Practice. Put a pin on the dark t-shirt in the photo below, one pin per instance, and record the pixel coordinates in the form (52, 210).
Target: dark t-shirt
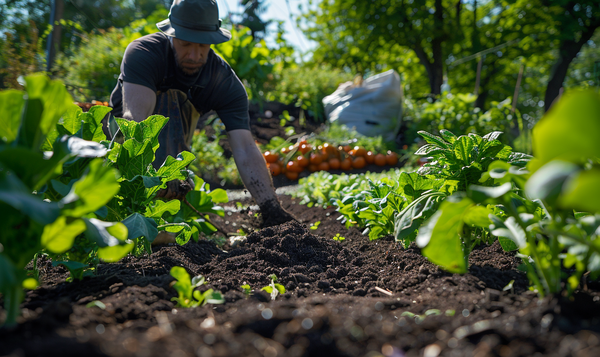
(150, 61)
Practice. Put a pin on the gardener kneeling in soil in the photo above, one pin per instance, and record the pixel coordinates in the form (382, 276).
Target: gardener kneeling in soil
(176, 74)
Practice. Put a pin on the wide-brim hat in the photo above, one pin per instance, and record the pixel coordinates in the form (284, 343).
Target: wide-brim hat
(195, 21)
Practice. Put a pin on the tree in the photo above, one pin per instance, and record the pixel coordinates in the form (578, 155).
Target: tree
(251, 17)
(579, 20)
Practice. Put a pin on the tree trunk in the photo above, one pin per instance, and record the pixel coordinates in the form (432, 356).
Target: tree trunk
(567, 52)
(54, 38)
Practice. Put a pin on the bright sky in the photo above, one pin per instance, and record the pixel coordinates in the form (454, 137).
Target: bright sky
(276, 10)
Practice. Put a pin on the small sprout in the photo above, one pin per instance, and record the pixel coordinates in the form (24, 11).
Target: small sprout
(96, 303)
(510, 287)
(433, 312)
(273, 288)
(315, 225)
(247, 290)
(338, 237)
(408, 314)
(450, 312)
(239, 205)
(188, 296)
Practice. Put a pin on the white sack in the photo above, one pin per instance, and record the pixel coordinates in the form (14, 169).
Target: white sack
(373, 108)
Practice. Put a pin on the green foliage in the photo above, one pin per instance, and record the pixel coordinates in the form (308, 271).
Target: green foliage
(337, 134)
(186, 289)
(465, 158)
(306, 86)
(273, 288)
(544, 214)
(32, 219)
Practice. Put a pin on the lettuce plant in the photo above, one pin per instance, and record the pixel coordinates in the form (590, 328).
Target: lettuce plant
(188, 296)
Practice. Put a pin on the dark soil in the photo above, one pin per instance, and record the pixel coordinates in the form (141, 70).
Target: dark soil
(348, 298)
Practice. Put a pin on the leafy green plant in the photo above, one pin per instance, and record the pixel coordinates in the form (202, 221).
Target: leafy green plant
(465, 158)
(31, 219)
(273, 288)
(338, 237)
(315, 226)
(186, 289)
(550, 215)
(247, 290)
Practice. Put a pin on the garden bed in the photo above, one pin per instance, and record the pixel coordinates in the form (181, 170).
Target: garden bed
(335, 304)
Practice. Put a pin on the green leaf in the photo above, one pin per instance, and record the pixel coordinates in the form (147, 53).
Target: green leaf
(570, 129)
(510, 229)
(14, 193)
(478, 216)
(462, 149)
(11, 107)
(440, 240)
(433, 139)
(140, 226)
(183, 286)
(171, 168)
(70, 120)
(157, 209)
(494, 135)
(30, 135)
(56, 100)
(480, 194)
(219, 196)
(59, 236)
(106, 234)
(547, 182)
(582, 191)
(93, 190)
(115, 253)
(448, 136)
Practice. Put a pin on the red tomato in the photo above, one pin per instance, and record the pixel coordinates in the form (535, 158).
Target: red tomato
(334, 163)
(391, 158)
(270, 157)
(380, 160)
(293, 166)
(346, 164)
(324, 166)
(291, 175)
(315, 158)
(359, 162)
(274, 168)
(302, 161)
(359, 151)
(370, 157)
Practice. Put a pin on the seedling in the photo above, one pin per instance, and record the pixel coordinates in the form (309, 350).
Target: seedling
(247, 290)
(338, 237)
(273, 288)
(188, 296)
(314, 226)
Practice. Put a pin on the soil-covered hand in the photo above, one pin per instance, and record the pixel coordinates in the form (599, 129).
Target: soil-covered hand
(273, 214)
(176, 190)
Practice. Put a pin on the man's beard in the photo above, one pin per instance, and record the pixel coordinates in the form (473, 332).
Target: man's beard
(189, 71)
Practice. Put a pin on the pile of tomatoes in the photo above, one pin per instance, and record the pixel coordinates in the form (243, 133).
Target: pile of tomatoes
(325, 157)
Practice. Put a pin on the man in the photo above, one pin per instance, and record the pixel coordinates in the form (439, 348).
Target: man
(176, 74)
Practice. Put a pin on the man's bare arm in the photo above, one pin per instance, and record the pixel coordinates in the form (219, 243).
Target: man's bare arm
(252, 166)
(138, 102)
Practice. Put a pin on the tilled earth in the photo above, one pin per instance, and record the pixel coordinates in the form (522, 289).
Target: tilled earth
(348, 298)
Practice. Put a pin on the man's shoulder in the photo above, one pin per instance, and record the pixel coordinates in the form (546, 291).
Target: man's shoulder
(153, 43)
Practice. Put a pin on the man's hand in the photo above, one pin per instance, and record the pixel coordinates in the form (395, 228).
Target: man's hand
(176, 190)
(273, 214)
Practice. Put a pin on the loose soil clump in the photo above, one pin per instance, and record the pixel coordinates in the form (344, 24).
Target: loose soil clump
(348, 298)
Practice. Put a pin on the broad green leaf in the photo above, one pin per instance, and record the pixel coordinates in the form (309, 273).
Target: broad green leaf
(140, 226)
(59, 236)
(463, 148)
(30, 135)
(84, 148)
(11, 107)
(507, 244)
(478, 216)
(106, 234)
(70, 120)
(134, 158)
(480, 194)
(157, 209)
(14, 193)
(92, 123)
(56, 100)
(448, 136)
(492, 136)
(510, 229)
(183, 284)
(219, 196)
(433, 139)
(94, 190)
(570, 129)
(429, 150)
(582, 191)
(171, 168)
(547, 182)
(440, 240)
(115, 253)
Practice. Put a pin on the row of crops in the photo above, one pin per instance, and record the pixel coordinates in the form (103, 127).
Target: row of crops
(68, 192)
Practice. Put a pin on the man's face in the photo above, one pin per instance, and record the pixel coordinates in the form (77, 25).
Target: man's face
(190, 56)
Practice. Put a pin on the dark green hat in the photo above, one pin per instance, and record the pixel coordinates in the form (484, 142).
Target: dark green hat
(195, 21)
